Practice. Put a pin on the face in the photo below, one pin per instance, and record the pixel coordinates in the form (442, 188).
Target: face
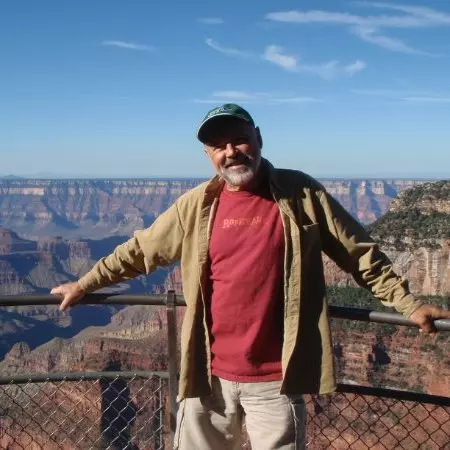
(234, 148)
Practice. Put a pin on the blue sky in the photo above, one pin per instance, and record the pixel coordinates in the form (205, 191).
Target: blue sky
(116, 88)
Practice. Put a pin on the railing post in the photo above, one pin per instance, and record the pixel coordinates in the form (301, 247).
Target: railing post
(172, 366)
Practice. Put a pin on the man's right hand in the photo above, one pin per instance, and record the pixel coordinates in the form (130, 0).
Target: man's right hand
(69, 293)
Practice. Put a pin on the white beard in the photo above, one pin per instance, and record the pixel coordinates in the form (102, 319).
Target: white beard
(238, 177)
(242, 175)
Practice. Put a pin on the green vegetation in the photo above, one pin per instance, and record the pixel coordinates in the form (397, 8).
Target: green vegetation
(355, 297)
(414, 222)
(352, 297)
(361, 298)
(421, 229)
(439, 190)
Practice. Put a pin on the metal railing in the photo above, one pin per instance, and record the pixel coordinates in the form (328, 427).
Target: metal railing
(136, 410)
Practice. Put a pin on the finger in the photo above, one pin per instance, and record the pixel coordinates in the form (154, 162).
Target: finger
(428, 327)
(65, 303)
(55, 291)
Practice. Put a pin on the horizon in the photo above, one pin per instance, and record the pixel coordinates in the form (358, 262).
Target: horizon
(348, 88)
(55, 177)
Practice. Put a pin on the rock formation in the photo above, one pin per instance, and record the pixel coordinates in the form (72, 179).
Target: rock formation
(41, 340)
(99, 208)
(415, 234)
(85, 208)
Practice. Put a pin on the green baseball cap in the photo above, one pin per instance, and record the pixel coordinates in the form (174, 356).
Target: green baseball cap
(226, 110)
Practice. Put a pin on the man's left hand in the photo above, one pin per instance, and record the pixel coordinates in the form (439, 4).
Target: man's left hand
(425, 315)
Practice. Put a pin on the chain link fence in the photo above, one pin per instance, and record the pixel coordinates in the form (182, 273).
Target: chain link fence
(361, 422)
(352, 421)
(135, 410)
(121, 410)
(92, 411)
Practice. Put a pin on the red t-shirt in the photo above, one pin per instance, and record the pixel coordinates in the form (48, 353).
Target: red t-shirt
(246, 281)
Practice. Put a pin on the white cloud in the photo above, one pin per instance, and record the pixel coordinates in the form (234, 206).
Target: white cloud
(428, 16)
(226, 50)
(405, 96)
(328, 70)
(235, 95)
(276, 55)
(394, 45)
(210, 20)
(381, 92)
(423, 100)
(356, 67)
(327, 17)
(368, 27)
(128, 45)
(298, 100)
(244, 97)
(211, 101)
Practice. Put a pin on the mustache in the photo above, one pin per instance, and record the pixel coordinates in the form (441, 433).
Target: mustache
(241, 159)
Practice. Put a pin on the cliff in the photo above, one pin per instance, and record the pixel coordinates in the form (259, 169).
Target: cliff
(94, 407)
(415, 234)
(85, 208)
(367, 200)
(28, 266)
(419, 217)
(134, 338)
(100, 208)
(35, 266)
(93, 338)
(386, 355)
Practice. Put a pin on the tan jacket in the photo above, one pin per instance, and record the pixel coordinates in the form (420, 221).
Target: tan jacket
(313, 222)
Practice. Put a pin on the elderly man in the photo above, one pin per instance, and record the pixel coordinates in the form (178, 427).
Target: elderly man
(256, 332)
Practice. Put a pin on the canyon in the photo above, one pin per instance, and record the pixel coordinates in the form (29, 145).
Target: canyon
(36, 264)
(415, 234)
(54, 231)
(97, 209)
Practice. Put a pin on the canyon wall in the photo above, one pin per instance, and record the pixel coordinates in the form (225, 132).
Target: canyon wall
(415, 234)
(100, 208)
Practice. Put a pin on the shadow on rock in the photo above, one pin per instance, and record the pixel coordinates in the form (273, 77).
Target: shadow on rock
(118, 412)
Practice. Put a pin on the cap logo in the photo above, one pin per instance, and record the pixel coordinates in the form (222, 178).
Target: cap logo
(217, 111)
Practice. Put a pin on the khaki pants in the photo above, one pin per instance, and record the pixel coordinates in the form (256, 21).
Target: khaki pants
(273, 421)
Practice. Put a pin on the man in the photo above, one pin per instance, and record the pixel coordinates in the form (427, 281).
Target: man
(256, 333)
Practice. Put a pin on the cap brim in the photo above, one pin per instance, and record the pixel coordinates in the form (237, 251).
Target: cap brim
(203, 125)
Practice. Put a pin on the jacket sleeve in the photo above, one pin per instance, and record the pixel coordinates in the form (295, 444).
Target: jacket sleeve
(158, 245)
(346, 242)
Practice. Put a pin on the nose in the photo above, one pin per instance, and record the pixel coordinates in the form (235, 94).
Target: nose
(230, 150)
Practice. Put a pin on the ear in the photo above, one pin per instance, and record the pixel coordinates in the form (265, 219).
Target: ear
(205, 149)
(259, 137)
